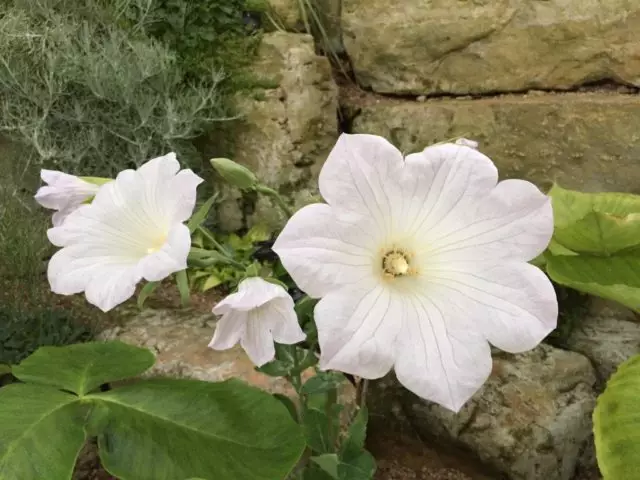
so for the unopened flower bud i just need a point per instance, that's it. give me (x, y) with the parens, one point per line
(234, 173)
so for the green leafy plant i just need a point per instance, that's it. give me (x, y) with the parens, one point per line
(616, 424)
(596, 244)
(150, 429)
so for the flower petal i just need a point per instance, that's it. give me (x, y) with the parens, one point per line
(322, 251)
(282, 316)
(512, 304)
(515, 221)
(184, 186)
(439, 358)
(63, 190)
(171, 258)
(253, 292)
(113, 285)
(257, 340)
(229, 330)
(357, 329)
(355, 176)
(439, 183)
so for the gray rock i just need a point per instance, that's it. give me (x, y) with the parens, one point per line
(584, 141)
(608, 336)
(487, 46)
(531, 420)
(289, 128)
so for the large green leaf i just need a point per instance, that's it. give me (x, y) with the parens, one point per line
(163, 429)
(616, 424)
(616, 278)
(41, 432)
(84, 367)
(596, 223)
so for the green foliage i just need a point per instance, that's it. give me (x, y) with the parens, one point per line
(206, 35)
(23, 329)
(616, 424)
(89, 91)
(215, 271)
(596, 244)
(155, 429)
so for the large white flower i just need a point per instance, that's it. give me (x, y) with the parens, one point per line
(256, 315)
(63, 193)
(133, 229)
(421, 263)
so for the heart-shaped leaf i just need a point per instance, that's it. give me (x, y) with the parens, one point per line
(164, 429)
(41, 432)
(83, 367)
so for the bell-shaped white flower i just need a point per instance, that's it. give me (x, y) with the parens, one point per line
(421, 262)
(258, 314)
(63, 193)
(133, 229)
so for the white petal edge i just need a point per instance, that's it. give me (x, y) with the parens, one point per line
(357, 329)
(229, 330)
(356, 176)
(438, 357)
(253, 292)
(257, 340)
(322, 251)
(285, 327)
(512, 304)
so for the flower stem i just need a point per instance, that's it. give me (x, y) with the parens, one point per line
(332, 399)
(209, 236)
(277, 197)
(204, 258)
(361, 392)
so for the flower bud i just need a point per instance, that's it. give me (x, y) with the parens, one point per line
(234, 173)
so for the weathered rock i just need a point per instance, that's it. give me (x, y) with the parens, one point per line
(588, 141)
(290, 127)
(608, 335)
(480, 46)
(530, 420)
(286, 15)
(179, 340)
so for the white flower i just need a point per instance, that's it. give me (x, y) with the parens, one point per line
(63, 193)
(133, 229)
(256, 315)
(421, 262)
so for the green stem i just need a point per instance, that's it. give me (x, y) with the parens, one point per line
(277, 197)
(209, 236)
(332, 399)
(361, 392)
(204, 258)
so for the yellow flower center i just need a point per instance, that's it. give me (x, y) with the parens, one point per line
(157, 243)
(396, 263)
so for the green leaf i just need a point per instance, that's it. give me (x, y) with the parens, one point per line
(164, 429)
(615, 278)
(284, 364)
(289, 405)
(200, 216)
(362, 467)
(596, 223)
(616, 424)
(41, 432)
(328, 463)
(323, 382)
(182, 281)
(4, 369)
(353, 444)
(210, 282)
(83, 367)
(146, 292)
(316, 429)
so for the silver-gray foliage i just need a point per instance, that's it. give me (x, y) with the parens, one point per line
(86, 89)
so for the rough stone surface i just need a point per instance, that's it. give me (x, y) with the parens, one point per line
(290, 126)
(286, 15)
(179, 340)
(480, 46)
(608, 335)
(587, 141)
(530, 420)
